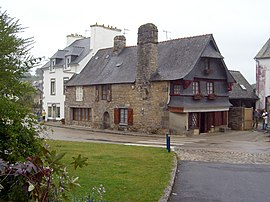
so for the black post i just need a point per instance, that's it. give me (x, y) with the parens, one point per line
(168, 142)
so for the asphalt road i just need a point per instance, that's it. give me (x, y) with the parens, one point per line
(220, 182)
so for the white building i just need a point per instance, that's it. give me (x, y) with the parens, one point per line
(69, 61)
(263, 76)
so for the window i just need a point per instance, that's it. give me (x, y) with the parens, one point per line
(106, 92)
(65, 80)
(82, 114)
(79, 93)
(52, 64)
(176, 89)
(67, 62)
(52, 86)
(49, 111)
(210, 87)
(193, 120)
(195, 87)
(123, 116)
(58, 112)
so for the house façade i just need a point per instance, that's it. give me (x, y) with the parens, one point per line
(181, 86)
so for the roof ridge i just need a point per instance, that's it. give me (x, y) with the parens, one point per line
(189, 37)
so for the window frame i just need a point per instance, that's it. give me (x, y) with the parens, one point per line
(67, 62)
(104, 92)
(123, 116)
(81, 114)
(210, 87)
(53, 86)
(196, 87)
(176, 89)
(65, 80)
(79, 93)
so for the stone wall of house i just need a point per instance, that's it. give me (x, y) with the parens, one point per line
(150, 114)
(235, 118)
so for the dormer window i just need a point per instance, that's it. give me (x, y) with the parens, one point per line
(52, 65)
(67, 62)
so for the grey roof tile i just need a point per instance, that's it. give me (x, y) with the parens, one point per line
(80, 48)
(241, 89)
(176, 58)
(265, 51)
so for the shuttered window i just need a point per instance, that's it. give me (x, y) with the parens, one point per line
(123, 116)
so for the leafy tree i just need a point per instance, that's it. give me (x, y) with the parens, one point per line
(28, 170)
(17, 129)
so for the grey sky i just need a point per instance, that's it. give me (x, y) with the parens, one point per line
(240, 27)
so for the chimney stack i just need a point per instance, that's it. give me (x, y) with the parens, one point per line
(146, 53)
(119, 44)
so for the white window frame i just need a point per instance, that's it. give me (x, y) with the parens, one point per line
(53, 86)
(79, 93)
(67, 62)
(52, 64)
(209, 87)
(123, 116)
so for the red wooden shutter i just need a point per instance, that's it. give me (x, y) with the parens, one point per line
(116, 116)
(130, 116)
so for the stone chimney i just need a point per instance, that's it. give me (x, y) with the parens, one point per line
(119, 44)
(146, 54)
(73, 37)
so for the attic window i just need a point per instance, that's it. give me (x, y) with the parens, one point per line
(243, 87)
(96, 57)
(107, 56)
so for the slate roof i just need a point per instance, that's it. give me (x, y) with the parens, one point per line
(265, 51)
(79, 48)
(241, 89)
(176, 58)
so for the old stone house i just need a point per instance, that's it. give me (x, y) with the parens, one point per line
(180, 85)
(243, 99)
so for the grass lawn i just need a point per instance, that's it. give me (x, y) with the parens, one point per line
(128, 173)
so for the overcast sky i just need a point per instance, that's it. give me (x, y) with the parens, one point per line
(240, 27)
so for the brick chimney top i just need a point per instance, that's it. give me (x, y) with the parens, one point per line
(147, 33)
(119, 43)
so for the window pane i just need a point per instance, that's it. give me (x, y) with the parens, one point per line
(195, 86)
(104, 92)
(176, 89)
(52, 86)
(49, 111)
(58, 112)
(123, 116)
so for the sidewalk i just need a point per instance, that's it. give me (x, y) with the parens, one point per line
(75, 127)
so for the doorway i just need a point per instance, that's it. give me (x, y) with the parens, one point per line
(106, 120)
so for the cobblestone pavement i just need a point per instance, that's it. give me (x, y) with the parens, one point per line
(207, 155)
(251, 147)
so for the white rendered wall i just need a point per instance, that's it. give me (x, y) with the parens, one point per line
(102, 37)
(263, 80)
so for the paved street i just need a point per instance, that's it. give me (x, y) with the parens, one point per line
(221, 182)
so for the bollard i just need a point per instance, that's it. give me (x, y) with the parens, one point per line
(168, 142)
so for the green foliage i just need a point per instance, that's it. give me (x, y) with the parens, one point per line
(40, 178)
(18, 130)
